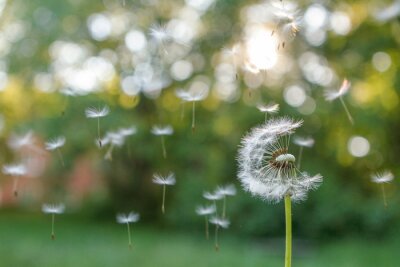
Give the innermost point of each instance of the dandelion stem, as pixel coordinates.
(206, 221)
(163, 200)
(224, 207)
(53, 236)
(384, 195)
(193, 116)
(299, 158)
(15, 186)
(163, 147)
(108, 155)
(129, 236)
(216, 238)
(98, 130)
(288, 216)
(347, 111)
(182, 110)
(60, 156)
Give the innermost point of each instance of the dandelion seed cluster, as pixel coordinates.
(266, 169)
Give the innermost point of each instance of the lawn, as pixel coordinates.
(25, 241)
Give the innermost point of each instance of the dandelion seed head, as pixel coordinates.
(162, 130)
(224, 223)
(93, 112)
(16, 142)
(382, 177)
(270, 108)
(160, 33)
(267, 169)
(212, 196)
(331, 95)
(55, 143)
(205, 210)
(53, 208)
(127, 131)
(131, 217)
(14, 169)
(169, 179)
(228, 190)
(303, 141)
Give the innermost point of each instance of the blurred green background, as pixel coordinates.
(103, 53)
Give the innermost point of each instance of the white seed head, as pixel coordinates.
(131, 217)
(14, 169)
(303, 141)
(127, 131)
(266, 168)
(331, 95)
(55, 143)
(162, 130)
(270, 108)
(212, 196)
(53, 208)
(97, 112)
(205, 210)
(159, 33)
(164, 180)
(224, 223)
(382, 177)
(18, 141)
(228, 190)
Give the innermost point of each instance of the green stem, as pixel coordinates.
(53, 236)
(98, 130)
(216, 238)
(129, 237)
(60, 156)
(163, 200)
(15, 186)
(288, 216)
(224, 208)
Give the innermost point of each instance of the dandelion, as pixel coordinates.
(213, 197)
(125, 132)
(53, 209)
(183, 95)
(132, 217)
(287, 25)
(382, 178)
(268, 170)
(162, 131)
(268, 109)
(97, 113)
(160, 34)
(206, 211)
(302, 142)
(331, 95)
(219, 222)
(19, 141)
(16, 171)
(194, 96)
(114, 139)
(56, 144)
(224, 191)
(164, 181)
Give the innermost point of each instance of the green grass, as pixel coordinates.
(25, 241)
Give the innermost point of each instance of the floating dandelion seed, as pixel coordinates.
(331, 95)
(213, 197)
(219, 222)
(206, 211)
(162, 131)
(16, 171)
(114, 139)
(18, 141)
(97, 113)
(126, 132)
(132, 217)
(193, 96)
(164, 181)
(53, 209)
(287, 24)
(160, 35)
(56, 144)
(302, 142)
(268, 109)
(224, 191)
(382, 178)
(267, 170)
(183, 95)
(67, 92)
